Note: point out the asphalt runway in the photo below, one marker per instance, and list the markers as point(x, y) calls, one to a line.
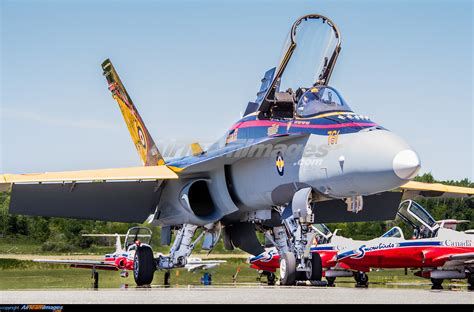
point(240, 295)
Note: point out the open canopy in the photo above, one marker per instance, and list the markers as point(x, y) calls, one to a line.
point(421, 220)
point(309, 55)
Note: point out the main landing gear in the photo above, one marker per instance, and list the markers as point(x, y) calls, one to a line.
point(271, 277)
point(293, 240)
point(437, 283)
point(331, 281)
point(362, 279)
point(470, 281)
point(145, 264)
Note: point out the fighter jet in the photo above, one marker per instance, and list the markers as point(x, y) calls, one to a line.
point(299, 155)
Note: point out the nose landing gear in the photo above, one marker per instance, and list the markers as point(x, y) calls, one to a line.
point(294, 239)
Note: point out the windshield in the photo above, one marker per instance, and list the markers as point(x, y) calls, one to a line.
point(320, 99)
point(142, 234)
point(394, 232)
point(322, 229)
point(323, 234)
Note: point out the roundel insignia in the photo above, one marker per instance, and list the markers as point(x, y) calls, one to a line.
point(141, 136)
point(280, 164)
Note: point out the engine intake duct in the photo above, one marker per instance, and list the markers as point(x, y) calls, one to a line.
point(196, 197)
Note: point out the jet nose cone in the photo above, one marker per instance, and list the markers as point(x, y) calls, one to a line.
point(406, 164)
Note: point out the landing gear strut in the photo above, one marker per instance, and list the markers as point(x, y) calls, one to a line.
point(294, 239)
point(95, 279)
point(183, 246)
point(167, 278)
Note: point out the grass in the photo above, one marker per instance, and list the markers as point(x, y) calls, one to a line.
point(20, 274)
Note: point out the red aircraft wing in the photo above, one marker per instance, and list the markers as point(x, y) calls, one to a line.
point(84, 264)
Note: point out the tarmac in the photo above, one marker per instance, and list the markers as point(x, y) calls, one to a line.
point(239, 295)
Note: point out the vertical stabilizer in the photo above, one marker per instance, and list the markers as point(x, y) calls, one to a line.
point(141, 138)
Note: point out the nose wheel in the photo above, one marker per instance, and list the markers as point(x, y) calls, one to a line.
point(316, 266)
point(289, 275)
point(288, 269)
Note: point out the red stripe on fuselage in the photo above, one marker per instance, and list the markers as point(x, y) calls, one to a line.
point(402, 257)
point(269, 123)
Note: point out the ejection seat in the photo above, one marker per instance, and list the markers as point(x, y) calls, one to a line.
point(283, 105)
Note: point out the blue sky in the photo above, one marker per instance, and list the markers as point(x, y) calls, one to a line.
point(191, 67)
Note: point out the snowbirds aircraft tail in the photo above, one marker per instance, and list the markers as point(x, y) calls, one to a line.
point(299, 155)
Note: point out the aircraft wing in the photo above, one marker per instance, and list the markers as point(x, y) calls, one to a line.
point(465, 258)
point(192, 266)
point(415, 189)
point(85, 264)
point(115, 174)
point(119, 194)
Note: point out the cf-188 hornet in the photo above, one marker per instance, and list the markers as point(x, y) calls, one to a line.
point(299, 155)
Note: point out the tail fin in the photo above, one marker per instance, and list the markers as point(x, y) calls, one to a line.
point(118, 243)
point(144, 144)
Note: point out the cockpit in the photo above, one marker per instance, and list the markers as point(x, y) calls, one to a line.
point(320, 99)
point(323, 234)
point(394, 232)
point(299, 85)
point(414, 214)
point(135, 234)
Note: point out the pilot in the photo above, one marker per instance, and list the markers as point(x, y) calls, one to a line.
point(308, 98)
point(415, 233)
